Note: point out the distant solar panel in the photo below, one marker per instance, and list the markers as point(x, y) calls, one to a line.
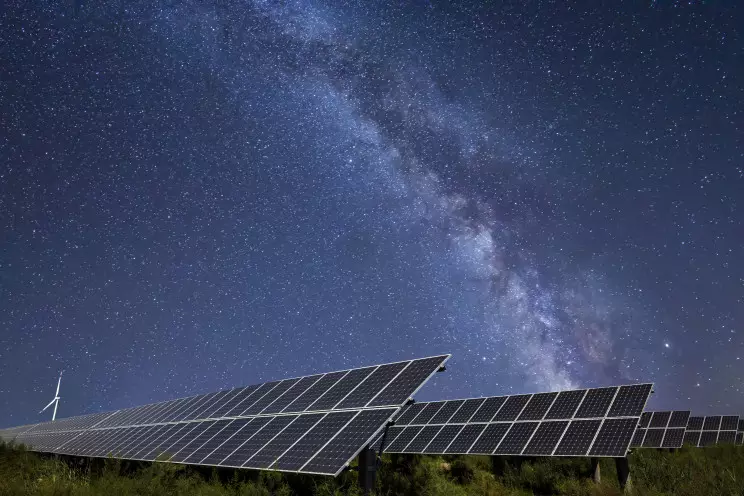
point(566, 423)
point(314, 424)
point(664, 429)
point(712, 430)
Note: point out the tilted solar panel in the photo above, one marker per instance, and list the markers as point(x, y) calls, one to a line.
point(314, 424)
point(712, 430)
point(566, 423)
point(663, 429)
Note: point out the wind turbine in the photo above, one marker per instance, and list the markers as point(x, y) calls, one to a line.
point(55, 401)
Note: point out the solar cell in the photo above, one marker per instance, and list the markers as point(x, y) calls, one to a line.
point(465, 439)
point(488, 409)
point(729, 423)
point(726, 437)
point(712, 423)
point(630, 400)
point(410, 413)
point(695, 423)
point(692, 437)
point(444, 438)
point(349, 442)
point(372, 385)
point(408, 381)
point(565, 404)
point(740, 438)
point(422, 439)
point(653, 438)
point(708, 438)
point(637, 441)
point(596, 402)
point(578, 438)
point(741, 425)
point(546, 437)
point(446, 412)
point(660, 419)
point(516, 439)
point(267, 455)
point(512, 407)
point(673, 437)
point(538, 406)
point(467, 410)
point(309, 444)
point(489, 439)
point(614, 437)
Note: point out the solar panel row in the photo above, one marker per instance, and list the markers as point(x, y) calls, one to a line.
point(663, 429)
point(712, 430)
point(313, 424)
point(587, 422)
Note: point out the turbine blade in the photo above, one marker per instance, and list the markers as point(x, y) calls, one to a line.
point(58, 381)
point(50, 404)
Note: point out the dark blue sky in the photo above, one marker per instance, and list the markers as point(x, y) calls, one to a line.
point(199, 195)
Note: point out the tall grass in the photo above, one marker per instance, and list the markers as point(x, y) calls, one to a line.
point(716, 471)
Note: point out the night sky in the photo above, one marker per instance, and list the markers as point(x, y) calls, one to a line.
point(197, 195)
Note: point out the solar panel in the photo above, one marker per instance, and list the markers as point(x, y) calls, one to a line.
point(314, 424)
point(614, 436)
point(538, 406)
point(637, 441)
point(692, 437)
point(665, 429)
point(711, 430)
point(465, 439)
point(512, 407)
point(526, 424)
point(653, 438)
point(729, 423)
point(546, 437)
point(446, 412)
point(740, 438)
point(489, 439)
point(516, 439)
point(695, 424)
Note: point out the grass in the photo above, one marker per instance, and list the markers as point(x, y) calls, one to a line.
point(717, 471)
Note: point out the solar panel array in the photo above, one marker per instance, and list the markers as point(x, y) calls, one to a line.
point(712, 430)
point(586, 422)
point(664, 429)
point(315, 424)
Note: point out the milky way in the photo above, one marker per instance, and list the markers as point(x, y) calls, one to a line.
point(201, 195)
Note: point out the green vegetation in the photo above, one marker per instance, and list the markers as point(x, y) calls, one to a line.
point(717, 471)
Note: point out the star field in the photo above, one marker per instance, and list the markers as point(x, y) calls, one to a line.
point(200, 195)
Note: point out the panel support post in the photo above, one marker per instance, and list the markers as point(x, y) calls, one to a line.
point(596, 474)
point(623, 474)
point(367, 470)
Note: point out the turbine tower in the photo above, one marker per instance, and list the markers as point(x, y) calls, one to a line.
point(55, 401)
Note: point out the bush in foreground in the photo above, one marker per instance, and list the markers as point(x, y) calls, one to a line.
point(717, 471)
